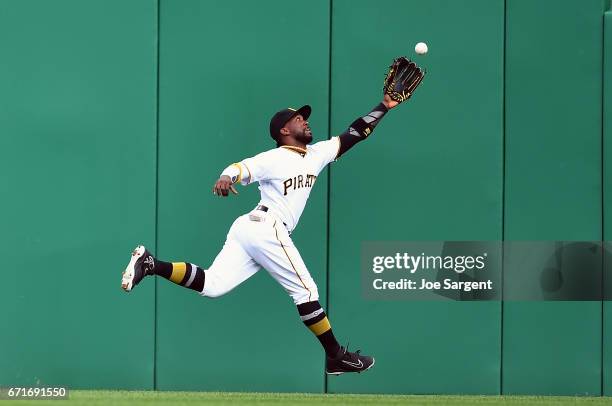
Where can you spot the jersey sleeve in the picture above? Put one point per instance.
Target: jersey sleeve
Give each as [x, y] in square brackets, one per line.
[257, 168]
[327, 151]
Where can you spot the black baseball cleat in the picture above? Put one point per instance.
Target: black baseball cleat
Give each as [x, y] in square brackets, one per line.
[347, 361]
[140, 265]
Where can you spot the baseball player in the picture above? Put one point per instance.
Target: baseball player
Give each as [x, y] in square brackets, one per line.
[262, 237]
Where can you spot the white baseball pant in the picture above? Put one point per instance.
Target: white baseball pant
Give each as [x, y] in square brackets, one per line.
[259, 240]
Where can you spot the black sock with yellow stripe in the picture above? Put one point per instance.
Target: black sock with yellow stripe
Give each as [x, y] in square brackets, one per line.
[315, 319]
[182, 273]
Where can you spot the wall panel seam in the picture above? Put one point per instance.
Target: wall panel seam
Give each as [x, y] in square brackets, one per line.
[602, 157]
[329, 177]
[155, 290]
[503, 202]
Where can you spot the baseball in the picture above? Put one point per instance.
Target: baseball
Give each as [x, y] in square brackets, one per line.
[420, 48]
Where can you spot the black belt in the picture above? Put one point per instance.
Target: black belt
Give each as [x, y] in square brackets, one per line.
[261, 207]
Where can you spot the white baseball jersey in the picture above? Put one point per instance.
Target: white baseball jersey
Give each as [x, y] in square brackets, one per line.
[286, 176]
[260, 239]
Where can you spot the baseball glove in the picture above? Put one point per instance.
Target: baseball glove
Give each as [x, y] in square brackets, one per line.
[402, 79]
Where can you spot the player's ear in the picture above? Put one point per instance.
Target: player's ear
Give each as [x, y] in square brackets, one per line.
[284, 131]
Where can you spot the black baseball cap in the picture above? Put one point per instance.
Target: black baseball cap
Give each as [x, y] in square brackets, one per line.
[279, 120]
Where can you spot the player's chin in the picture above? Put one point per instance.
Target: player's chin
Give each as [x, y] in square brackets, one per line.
[307, 137]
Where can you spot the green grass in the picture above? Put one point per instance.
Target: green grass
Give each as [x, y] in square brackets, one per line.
[119, 398]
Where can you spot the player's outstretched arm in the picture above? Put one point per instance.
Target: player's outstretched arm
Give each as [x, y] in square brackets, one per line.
[361, 128]
[402, 79]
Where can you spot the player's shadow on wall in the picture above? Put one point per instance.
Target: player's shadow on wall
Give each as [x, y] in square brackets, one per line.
[575, 272]
[534, 271]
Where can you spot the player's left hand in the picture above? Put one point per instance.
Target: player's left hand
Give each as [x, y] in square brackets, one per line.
[223, 186]
[401, 80]
[389, 102]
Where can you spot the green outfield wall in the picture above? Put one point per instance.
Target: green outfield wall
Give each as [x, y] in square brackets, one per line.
[78, 141]
[417, 178]
[607, 199]
[553, 186]
[221, 74]
[117, 117]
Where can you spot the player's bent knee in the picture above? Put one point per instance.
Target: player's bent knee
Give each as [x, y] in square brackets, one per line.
[214, 290]
[211, 295]
[306, 296]
[214, 293]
